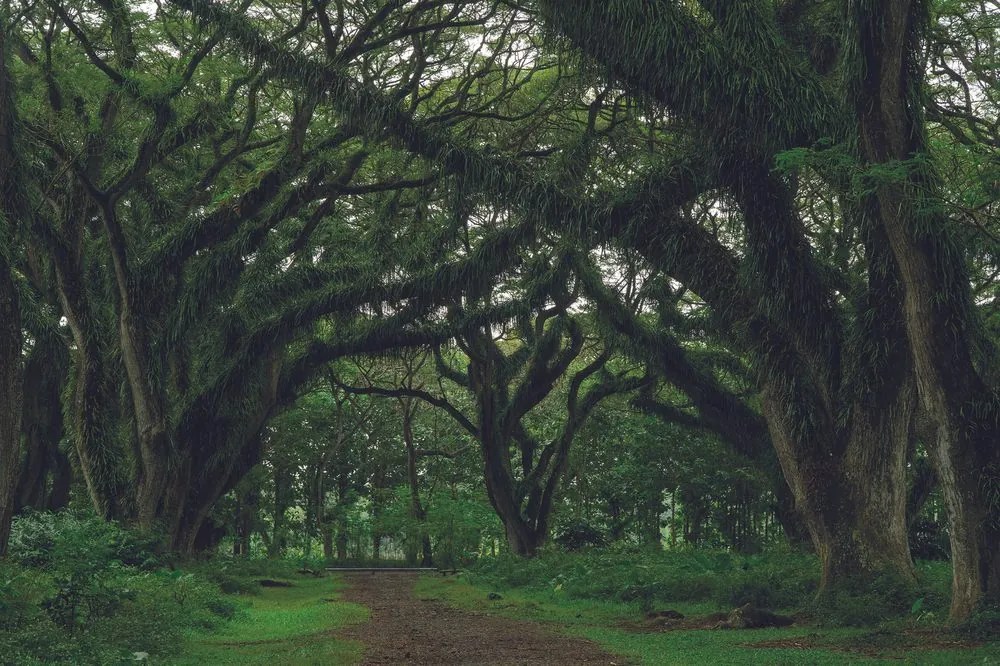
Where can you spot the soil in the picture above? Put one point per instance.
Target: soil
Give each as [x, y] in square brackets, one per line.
[407, 630]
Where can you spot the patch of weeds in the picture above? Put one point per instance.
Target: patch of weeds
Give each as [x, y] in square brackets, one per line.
[859, 603]
[983, 625]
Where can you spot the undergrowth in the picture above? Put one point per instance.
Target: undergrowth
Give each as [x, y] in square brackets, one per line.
[76, 589]
[785, 581]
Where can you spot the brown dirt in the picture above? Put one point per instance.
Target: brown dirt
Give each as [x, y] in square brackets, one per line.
[407, 630]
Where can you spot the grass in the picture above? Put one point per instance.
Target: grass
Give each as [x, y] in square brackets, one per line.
[283, 625]
[605, 622]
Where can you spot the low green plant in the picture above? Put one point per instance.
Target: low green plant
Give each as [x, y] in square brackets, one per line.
[984, 624]
[652, 578]
[78, 590]
[716, 580]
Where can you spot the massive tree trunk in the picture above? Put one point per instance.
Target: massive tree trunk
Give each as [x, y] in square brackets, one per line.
[849, 479]
[220, 449]
[853, 505]
[937, 300]
[522, 538]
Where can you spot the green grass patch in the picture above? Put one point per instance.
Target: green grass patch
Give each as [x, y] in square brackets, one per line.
[614, 625]
[282, 625]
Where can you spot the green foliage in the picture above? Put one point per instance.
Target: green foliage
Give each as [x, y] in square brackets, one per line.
[46, 539]
[721, 579]
[613, 626]
[867, 603]
[718, 580]
[984, 624]
[79, 590]
[580, 534]
[280, 626]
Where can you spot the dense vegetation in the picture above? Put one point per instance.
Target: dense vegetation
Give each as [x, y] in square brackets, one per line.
[672, 289]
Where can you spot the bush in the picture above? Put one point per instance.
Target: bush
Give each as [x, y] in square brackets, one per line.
[39, 539]
[580, 535]
[723, 580]
[78, 590]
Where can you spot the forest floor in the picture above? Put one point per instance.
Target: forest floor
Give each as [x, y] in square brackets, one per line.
[282, 626]
[620, 629]
[392, 618]
[410, 629]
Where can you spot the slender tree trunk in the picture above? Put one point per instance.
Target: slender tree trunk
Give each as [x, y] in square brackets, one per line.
[93, 397]
[327, 533]
[10, 395]
[251, 502]
[378, 486]
[11, 198]
[417, 510]
[282, 499]
[343, 485]
[42, 422]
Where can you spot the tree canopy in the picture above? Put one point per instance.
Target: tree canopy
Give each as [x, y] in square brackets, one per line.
[258, 244]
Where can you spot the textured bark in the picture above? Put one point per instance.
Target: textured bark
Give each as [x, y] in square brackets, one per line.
[149, 411]
[148, 400]
[521, 536]
[282, 501]
[244, 521]
[937, 299]
[210, 488]
[217, 453]
[343, 486]
[854, 507]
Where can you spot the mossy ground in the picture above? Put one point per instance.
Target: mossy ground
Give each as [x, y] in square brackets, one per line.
[612, 624]
[282, 625]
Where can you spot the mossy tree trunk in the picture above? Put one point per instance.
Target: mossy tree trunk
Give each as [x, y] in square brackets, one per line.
[11, 336]
[837, 393]
[940, 324]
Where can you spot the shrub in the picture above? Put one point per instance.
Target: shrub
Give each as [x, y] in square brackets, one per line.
[78, 590]
[580, 535]
[40, 539]
[862, 603]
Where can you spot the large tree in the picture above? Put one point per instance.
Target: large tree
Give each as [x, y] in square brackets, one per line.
[840, 356]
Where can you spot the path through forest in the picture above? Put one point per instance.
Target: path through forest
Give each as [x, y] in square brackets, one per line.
[407, 630]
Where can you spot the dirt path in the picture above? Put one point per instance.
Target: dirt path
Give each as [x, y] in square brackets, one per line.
[406, 630]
